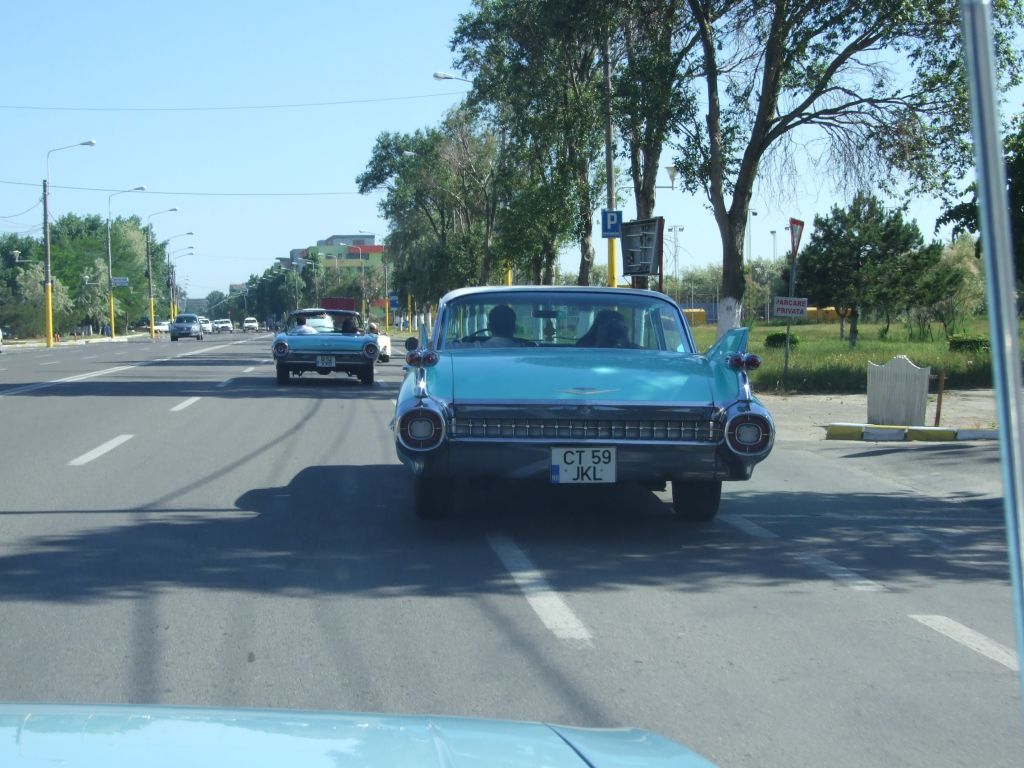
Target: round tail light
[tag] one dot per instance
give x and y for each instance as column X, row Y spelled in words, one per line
column 421, row 429
column 371, row 350
column 413, row 358
column 748, row 433
column 280, row 348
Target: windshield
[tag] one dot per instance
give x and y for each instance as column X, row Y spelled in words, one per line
column 559, row 319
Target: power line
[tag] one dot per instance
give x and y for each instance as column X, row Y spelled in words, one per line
column 189, row 194
column 301, row 105
column 27, row 210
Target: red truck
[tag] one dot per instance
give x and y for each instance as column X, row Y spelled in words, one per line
column 338, row 302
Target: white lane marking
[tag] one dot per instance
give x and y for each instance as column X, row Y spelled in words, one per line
column 67, row 380
column 184, row 404
column 552, row 610
column 125, row 352
column 224, row 383
column 90, row 357
column 837, row 572
column 203, row 350
column 970, row 638
column 747, row 526
column 52, row 362
column 95, row 453
column 250, row 369
column 917, row 533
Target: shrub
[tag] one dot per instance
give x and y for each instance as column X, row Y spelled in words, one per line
column 965, row 343
column 778, row 340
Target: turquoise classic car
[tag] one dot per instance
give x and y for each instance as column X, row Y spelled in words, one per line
column 577, row 386
column 324, row 341
column 79, row 736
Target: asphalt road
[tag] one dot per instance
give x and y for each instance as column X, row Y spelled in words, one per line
column 177, row 528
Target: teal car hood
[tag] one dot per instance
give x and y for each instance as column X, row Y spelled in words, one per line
column 610, row 375
column 86, row 736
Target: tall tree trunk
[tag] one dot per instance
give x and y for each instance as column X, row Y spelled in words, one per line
column 734, row 283
column 853, row 327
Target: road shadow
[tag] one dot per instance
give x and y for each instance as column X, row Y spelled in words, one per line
column 350, row 530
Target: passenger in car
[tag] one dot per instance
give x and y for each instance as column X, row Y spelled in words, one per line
column 609, row 330
column 301, row 327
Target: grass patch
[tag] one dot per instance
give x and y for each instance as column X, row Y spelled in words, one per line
column 823, row 363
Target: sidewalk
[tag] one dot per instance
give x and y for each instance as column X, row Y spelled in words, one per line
column 844, row 417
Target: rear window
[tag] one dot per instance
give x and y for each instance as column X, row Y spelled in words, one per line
column 187, row 319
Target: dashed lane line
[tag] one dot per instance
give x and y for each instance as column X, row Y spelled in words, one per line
column 66, row 380
column 816, row 562
column 839, row 573
column 95, row 453
column 549, row 606
column 970, row 638
column 748, row 526
column 185, row 404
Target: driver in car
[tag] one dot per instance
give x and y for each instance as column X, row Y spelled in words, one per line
column 501, row 322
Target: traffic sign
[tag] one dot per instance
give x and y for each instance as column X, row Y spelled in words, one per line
column 393, row 300
column 788, row 306
column 119, row 282
column 642, row 245
column 611, row 223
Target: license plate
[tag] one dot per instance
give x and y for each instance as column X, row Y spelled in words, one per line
column 582, row 465
column 325, row 361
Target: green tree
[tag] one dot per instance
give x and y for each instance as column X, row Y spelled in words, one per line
column 538, row 66
column 964, row 216
column 812, row 81
column 860, row 257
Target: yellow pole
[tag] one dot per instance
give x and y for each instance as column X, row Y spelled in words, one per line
column 613, row 277
column 113, row 333
column 508, row 276
column 152, row 319
column 49, row 314
column 409, row 315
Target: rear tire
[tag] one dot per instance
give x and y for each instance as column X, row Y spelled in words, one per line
column 366, row 377
column 432, row 498
column 696, row 501
column 174, row 338
column 283, row 374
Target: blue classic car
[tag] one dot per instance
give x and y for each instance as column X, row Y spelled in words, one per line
column 577, row 385
column 114, row 736
column 323, row 341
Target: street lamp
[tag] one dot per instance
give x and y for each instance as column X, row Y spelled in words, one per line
column 110, row 258
column 48, row 280
column 149, row 269
column 449, row 76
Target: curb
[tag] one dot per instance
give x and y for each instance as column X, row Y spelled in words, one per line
column 882, row 433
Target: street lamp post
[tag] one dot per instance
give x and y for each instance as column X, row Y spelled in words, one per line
column 172, row 292
column 362, row 279
column 48, row 279
column 110, row 258
column 149, row 269
column 676, row 229
column 172, row 276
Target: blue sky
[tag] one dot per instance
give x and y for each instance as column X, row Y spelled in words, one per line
column 373, row 61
